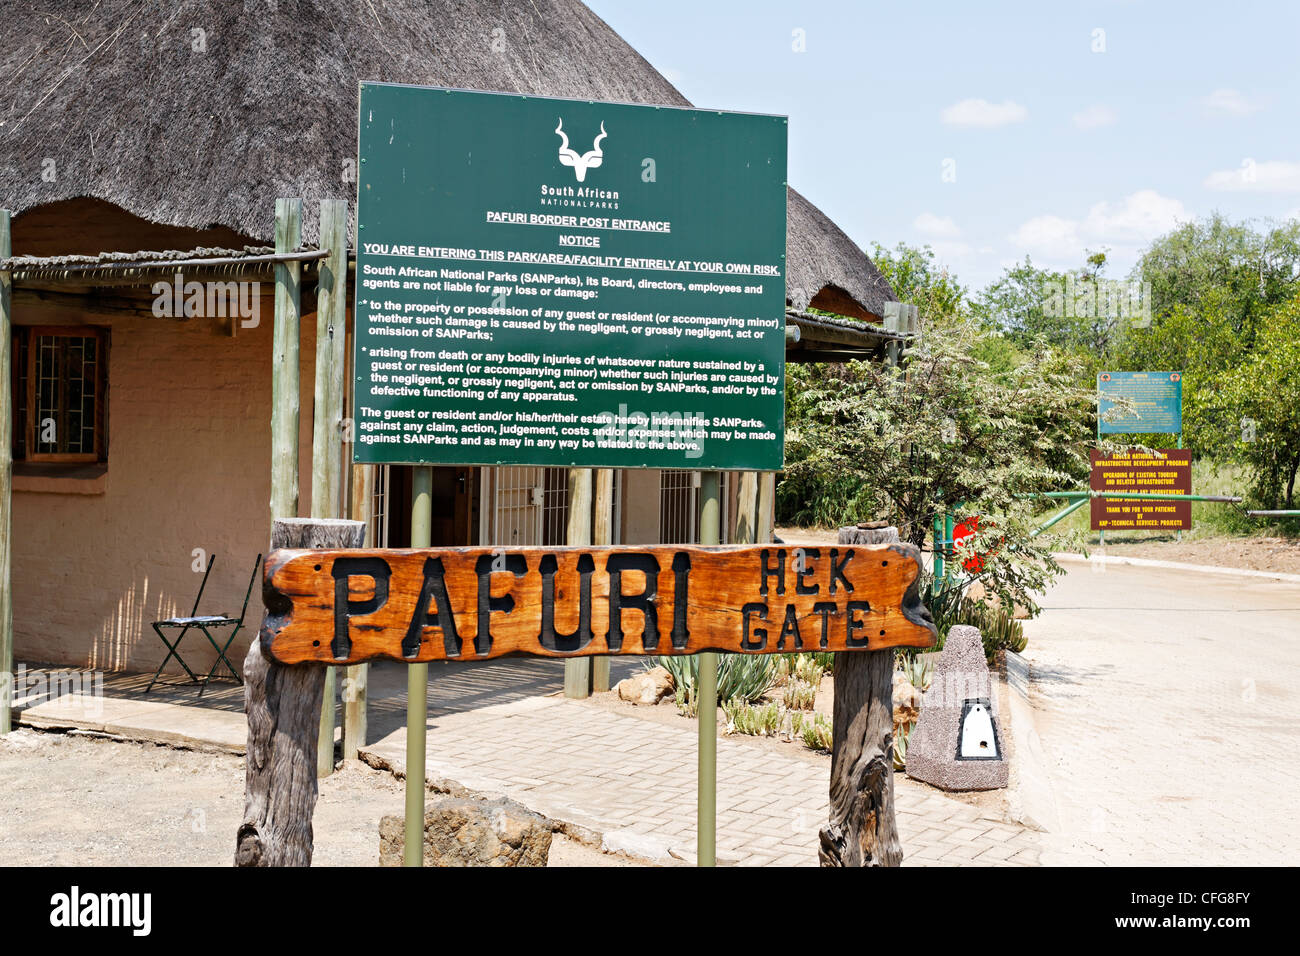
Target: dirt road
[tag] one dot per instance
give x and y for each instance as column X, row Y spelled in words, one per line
column 79, row 801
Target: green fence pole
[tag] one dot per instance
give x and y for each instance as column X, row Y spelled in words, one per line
column 417, row 684
column 936, row 564
column 947, row 547
column 706, row 714
column 1067, row 510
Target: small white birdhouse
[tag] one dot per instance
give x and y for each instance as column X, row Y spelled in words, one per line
column 977, row 739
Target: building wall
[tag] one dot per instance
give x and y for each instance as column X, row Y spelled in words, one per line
column 95, row 562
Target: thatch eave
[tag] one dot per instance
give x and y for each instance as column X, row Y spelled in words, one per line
column 111, row 100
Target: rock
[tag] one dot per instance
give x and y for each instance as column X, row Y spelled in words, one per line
column 957, row 743
column 465, row 832
column 907, row 702
column 648, row 688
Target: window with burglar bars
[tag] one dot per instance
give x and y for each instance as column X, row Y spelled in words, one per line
column 678, row 500
column 60, row 382
column 379, row 508
column 528, row 507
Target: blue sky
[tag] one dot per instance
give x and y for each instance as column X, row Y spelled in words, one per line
column 1066, row 126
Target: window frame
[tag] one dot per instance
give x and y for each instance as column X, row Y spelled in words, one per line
column 99, row 430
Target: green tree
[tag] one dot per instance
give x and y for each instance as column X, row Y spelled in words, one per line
column 918, row 279
column 1077, row 310
column 1253, row 408
column 1215, row 263
column 905, row 443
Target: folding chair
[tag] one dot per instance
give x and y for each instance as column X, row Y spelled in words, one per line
column 206, row 624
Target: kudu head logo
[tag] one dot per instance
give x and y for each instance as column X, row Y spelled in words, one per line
column 586, row 161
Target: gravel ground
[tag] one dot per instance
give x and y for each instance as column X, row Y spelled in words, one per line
column 72, row 800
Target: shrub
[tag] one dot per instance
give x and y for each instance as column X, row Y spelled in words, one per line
column 742, row 718
column 800, row 694
column 815, row 733
column 742, row 677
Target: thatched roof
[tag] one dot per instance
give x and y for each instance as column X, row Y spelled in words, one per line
column 116, row 94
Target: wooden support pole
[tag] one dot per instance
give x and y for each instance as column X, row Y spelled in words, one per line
column 602, row 533
column 577, row 670
column 284, row 363
column 747, row 508
column 283, row 707
column 6, row 483
column 356, row 683
column 862, row 830
column 766, row 506
column 327, row 413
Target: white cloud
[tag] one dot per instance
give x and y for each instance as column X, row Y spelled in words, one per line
column 1139, row 217
column 940, row 227
column 1049, row 237
column 1271, row 176
column 1231, row 102
column 1124, row 226
column 1094, row 117
column 983, row 114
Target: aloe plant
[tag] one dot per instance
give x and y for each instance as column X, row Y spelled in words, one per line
column 741, row 677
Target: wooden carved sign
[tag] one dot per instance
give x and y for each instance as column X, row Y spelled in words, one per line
column 349, row 606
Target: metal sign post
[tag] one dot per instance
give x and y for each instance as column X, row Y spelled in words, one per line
column 706, row 712
column 417, row 684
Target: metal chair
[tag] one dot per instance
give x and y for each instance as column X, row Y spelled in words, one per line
column 206, row 624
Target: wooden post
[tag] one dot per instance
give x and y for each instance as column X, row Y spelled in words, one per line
column 602, row 533
column 766, row 506
column 283, row 707
column 577, row 670
column 356, row 685
column 6, row 482
column 747, row 508
column 862, row 830
column 327, row 417
column 284, row 363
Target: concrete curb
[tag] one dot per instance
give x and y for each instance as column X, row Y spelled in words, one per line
column 1175, row 566
column 156, row 723
column 636, row 846
column 1031, row 799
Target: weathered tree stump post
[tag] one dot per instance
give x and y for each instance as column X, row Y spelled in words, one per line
column 862, row 830
column 283, row 705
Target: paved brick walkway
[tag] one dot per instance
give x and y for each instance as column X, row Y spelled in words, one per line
column 633, row 780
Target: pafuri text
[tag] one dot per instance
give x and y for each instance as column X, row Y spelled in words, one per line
column 77, row 909
column 179, row 299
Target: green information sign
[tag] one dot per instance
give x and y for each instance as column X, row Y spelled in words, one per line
column 568, row 283
column 1157, row 399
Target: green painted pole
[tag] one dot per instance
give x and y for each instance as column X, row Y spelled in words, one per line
column 1067, row 510
column 1180, row 445
column 947, row 547
column 936, row 564
column 417, row 683
column 706, row 715
column 577, row 670
column 1142, row 495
